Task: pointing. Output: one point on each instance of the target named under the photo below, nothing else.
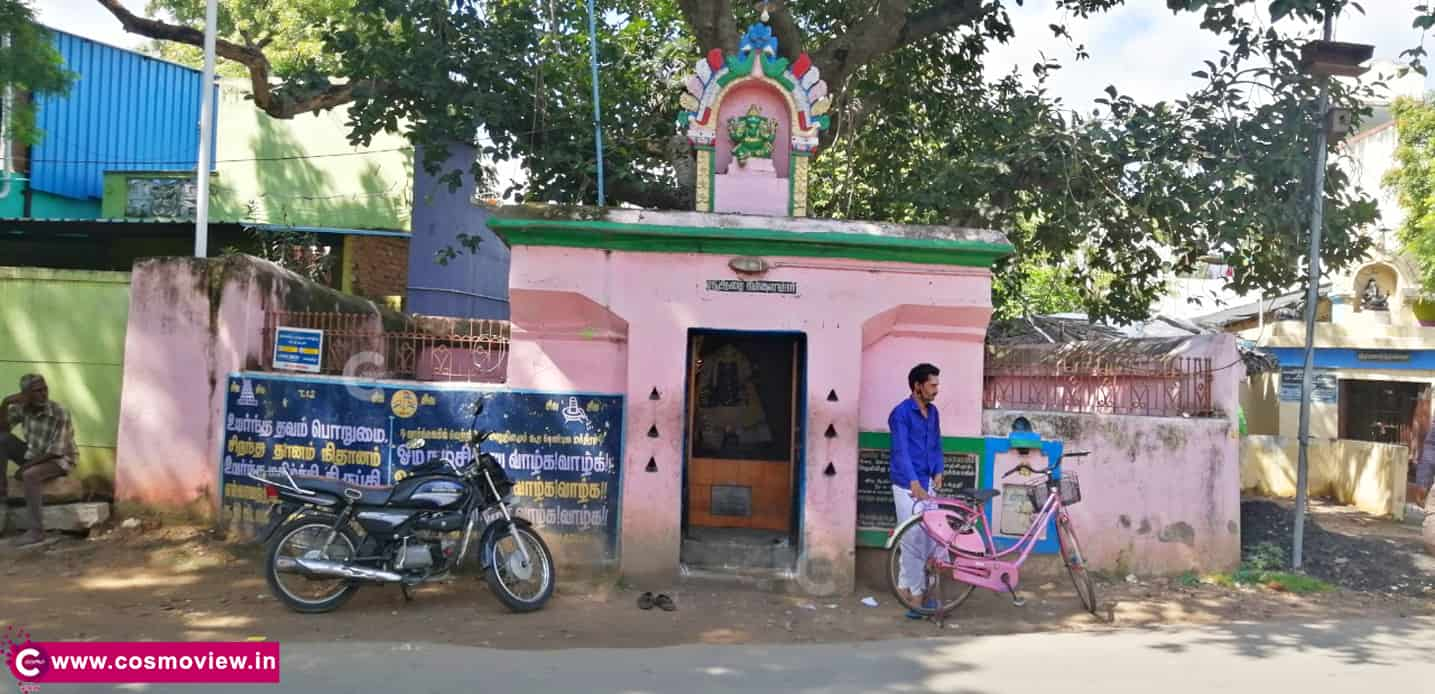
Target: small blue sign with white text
(298, 349)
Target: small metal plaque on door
(731, 501)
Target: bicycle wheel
(931, 576)
(1075, 563)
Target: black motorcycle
(329, 537)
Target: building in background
(474, 282)
(112, 178)
(1374, 345)
(112, 181)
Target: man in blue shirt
(916, 470)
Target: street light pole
(1321, 58)
(206, 134)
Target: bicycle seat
(981, 496)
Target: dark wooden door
(742, 424)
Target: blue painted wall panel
(473, 285)
(1329, 358)
(124, 112)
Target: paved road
(1339, 658)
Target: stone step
(739, 550)
(61, 490)
(72, 517)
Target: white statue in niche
(1372, 299)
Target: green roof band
(653, 238)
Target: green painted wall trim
(51, 274)
(950, 444)
(48, 206)
(791, 173)
(651, 238)
(872, 538)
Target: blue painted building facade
(125, 111)
(475, 283)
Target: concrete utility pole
(206, 134)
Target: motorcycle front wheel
(301, 538)
(522, 585)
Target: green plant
(1265, 557)
(1262, 567)
(1190, 579)
(1424, 310)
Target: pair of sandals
(646, 601)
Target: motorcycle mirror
(414, 444)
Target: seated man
(47, 450)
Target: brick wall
(379, 266)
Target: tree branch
(939, 19)
(784, 27)
(648, 195)
(868, 38)
(276, 105)
(890, 26)
(712, 22)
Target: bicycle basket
(1070, 492)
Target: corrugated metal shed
(125, 112)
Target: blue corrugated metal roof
(125, 110)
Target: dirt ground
(1345, 547)
(180, 583)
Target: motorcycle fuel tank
(429, 493)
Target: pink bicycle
(960, 543)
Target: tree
(29, 65)
(919, 135)
(1413, 181)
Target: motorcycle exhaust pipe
(336, 569)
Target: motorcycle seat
(363, 496)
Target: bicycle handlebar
(1045, 470)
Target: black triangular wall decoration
(652, 465)
(832, 396)
(831, 470)
(831, 432)
(654, 395)
(653, 432)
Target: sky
(1143, 49)
(1149, 52)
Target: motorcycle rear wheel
(316, 527)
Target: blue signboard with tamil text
(298, 349)
(561, 449)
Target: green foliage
(1145, 190)
(1413, 180)
(291, 33)
(1265, 556)
(1262, 567)
(1134, 190)
(29, 65)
